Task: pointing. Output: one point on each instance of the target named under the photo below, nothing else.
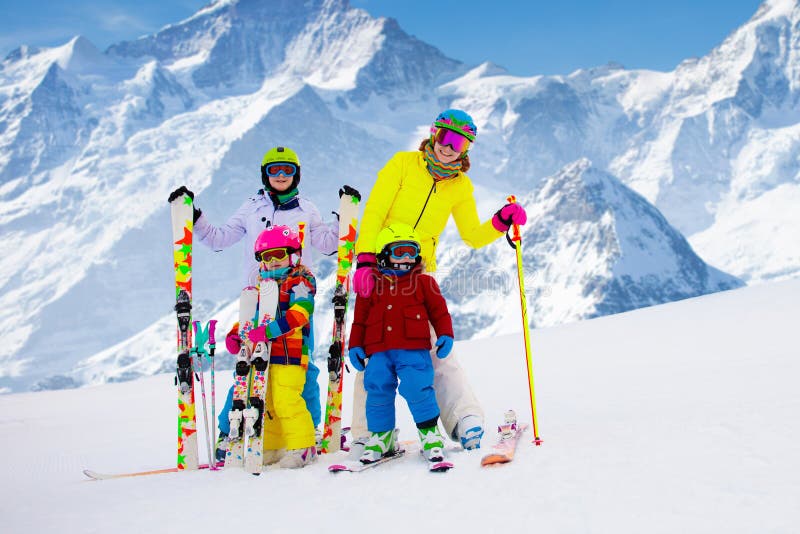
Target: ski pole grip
(196, 325)
(511, 199)
(211, 326)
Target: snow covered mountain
(712, 144)
(591, 247)
(92, 142)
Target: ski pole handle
(197, 330)
(212, 324)
(200, 337)
(511, 199)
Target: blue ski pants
(414, 370)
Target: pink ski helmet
(277, 237)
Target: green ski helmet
(396, 233)
(278, 155)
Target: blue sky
(526, 37)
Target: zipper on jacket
(433, 190)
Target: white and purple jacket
(254, 215)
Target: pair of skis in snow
(508, 434)
(257, 307)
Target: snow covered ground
(676, 418)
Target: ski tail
(508, 435)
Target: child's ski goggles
(457, 142)
(403, 250)
(272, 254)
(276, 169)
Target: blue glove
(445, 344)
(358, 358)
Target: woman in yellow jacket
(423, 189)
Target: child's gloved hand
(445, 344)
(364, 277)
(183, 190)
(358, 358)
(270, 331)
(232, 341)
(258, 335)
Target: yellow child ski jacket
(405, 192)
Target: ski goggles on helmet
(277, 169)
(457, 142)
(398, 251)
(272, 254)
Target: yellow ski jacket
(406, 193)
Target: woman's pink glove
(364, 277)
(508, 215)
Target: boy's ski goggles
(403, 250)
(276, 169)
(272, 254)
(457, 142)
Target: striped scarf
(438, 169)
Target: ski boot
(297, 458)
(356, 447)
(469, 432)
(221, 448)
(378, 445)
(432, 443)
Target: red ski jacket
(397, 313)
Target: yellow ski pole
(516, 243)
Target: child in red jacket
(390, 339)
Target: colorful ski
(354, 466)
(182, 224)
(268, 297)
(248, 303)
(348, 221)
(508, 435)
(440, 467)
(94, 475)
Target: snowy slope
(674, 418)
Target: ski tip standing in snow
(182, 213)
(390, 340)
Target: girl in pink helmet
(288, 431)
